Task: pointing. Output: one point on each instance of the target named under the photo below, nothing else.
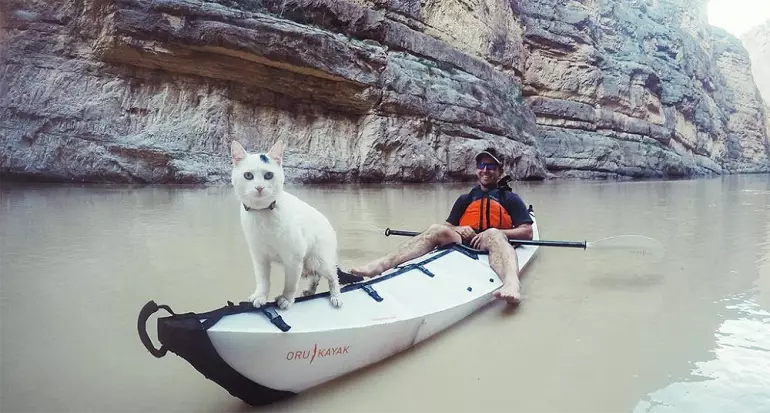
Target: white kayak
(265, 354)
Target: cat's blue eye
(268, 175)
(248, 175)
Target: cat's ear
(237, 152)
(276, 152)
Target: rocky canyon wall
(757, 43)
(384, 90)
(640, 88)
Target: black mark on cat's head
(264, 158)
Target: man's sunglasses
(490, 166)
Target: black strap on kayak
(421, 265)
(276, 319)
(212, 317)
(372, 293)
(418, 267)
(426, 271)
(468, 251)
(207, 319)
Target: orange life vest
(486, 212)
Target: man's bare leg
(503, 260)
(436, 235)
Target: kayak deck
(437, 281)
(265, 354)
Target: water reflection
(736, 379)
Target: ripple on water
(736, 380)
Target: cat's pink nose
(260, 188)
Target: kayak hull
(265, 354)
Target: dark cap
(492, 153)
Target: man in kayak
(485, 218)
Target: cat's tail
(348, 278)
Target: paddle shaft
(568, 244)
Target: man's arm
(458, 209)
(523, 231)
(522, 221)
(453, 221)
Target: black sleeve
(458, 209)
(517, 210)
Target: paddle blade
(637, 246)
(361, 226)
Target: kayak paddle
(634, 244)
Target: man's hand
(467, 233)
(476, 241)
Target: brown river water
(596, 331)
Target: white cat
(280, 227)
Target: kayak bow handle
(141, 325)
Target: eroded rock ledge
(640, 89)
(387, 90)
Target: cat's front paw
(283, 302)
(258, 298)
(336, 301)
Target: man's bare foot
(510, 293)
(369, 270)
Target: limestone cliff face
(757, 43)
(640, 88)
(382, 90)
(154, 91)
(745, 133)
